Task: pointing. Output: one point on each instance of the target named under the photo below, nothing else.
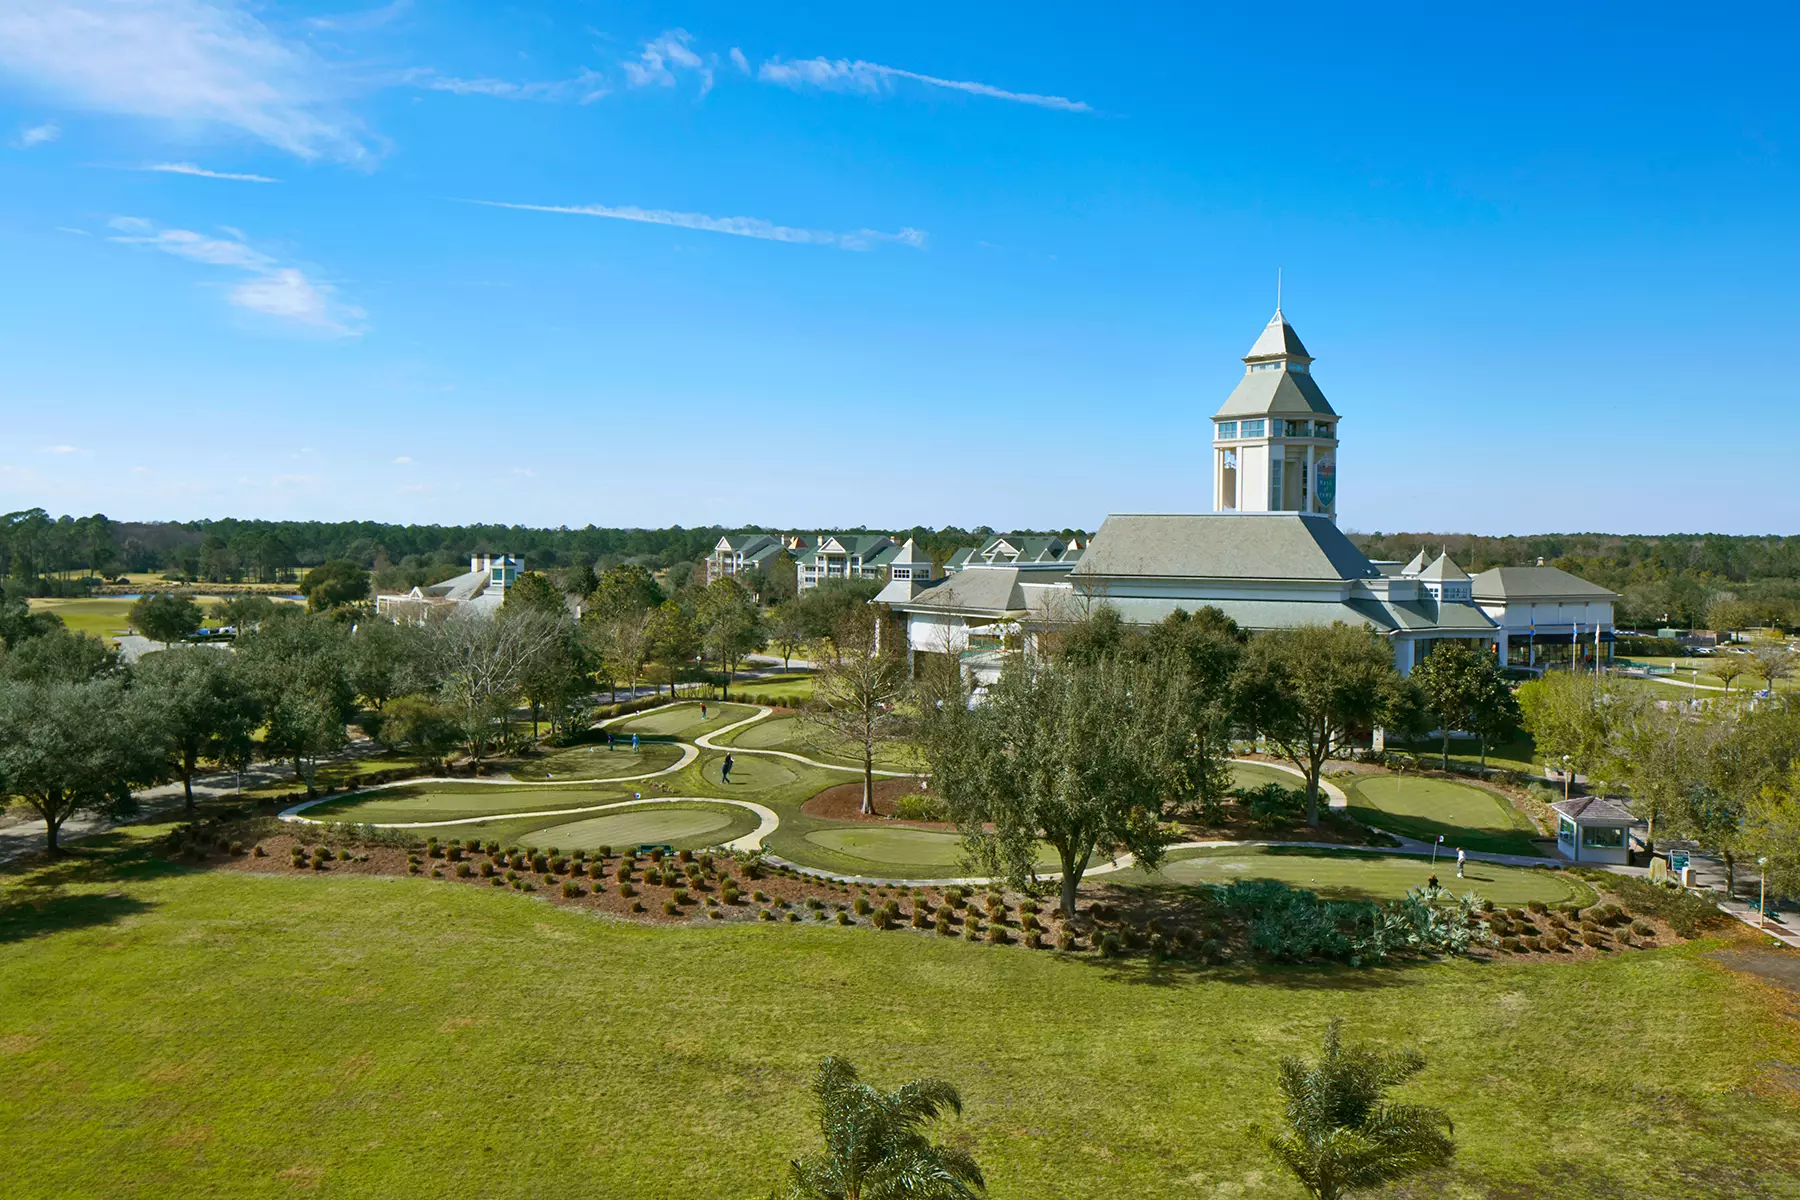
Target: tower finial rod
(1277, 289)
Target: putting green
(682, 720)
(1425, 808)
(1351, 876)
(450, 802)
(683, 828)
(887, 846)
(752, 773)
(597, 762)
(797, 737)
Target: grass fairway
(167, 1032)
(99, 616)
(597, 762)
(780, 688)
(1348, 875)
(682, 721)
(1424, 808)
(683, 827)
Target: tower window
(1250, 429)
(1228, 479)
(1227, 430)
(1322, 429)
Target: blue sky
(828, 265)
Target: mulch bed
(724, 889)
(1238, 827)
(843, 802)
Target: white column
(1403, 655)
(1500, 646)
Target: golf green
(598, 762)
(1466, 817)
(1353, 876)
(798, 737)
(451, 802)
(753, 773)
(682, 720)
(684, 828)
(888, 846)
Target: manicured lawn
(1424, 808)
(175, 1032)
(330, 773)
(682, 721)
(1250, 776)
(682, 826)
(1515, 754)
(598, 762)
(1347, 875)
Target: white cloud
(73, 230)
(583, 88)
(275, 290)
(182, 168)
(750, 227)
(38, 135)
(63, 450)
(867, 78)
(404, 460)
(662, 57)
(194, 62)
(358, 22)
(739, 61)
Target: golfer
(725, 770)
(1461, 858)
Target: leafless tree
(480, 661)
(1773, 661)
(858, 694)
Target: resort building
(743, 554)
(844, 556)
(1547, 615)
(482, 590)
(1270, 556)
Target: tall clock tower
(1275, 438)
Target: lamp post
(1567, 772)
(1762, 891)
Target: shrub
(1487, 906)
(627, 891)
(1156, 927)
(821, 914)
(671, 908)
(919, 920)
(497, 881)
(1510, 944)
(716, 914)
(464, 870)
(996, 934)
(971, 931)
(793, 914)
(571, 889)
(759, 896)
(1159, 946)
(680, 896)
(487, 869)
(944, 927)
(1687, 914)
(1184, 937)
(1111, 945)
(1029, 907)
(1537, 906)
(1533, 944)
(1034, 940)
(559, 866)
(1643, 929)
(765, 914)
(596, 871)
(1517, 914)
(637, 906)
(1065, 938)
(814, 902)
(863, 908)
(883, 919)
(257, 851)
(844, 918)
(411, 868)
(920, 806)
(1593, 938)
(1212, 951)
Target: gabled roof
(1411, 569)
(1441, 569)
(909, 555)
(1223, 546)
(1277, 394)
(1524, 584)
(744, 543)
(1277, 340)
(989, 592)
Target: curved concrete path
(705, 741)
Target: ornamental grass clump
(863, 907)
(1065, 938)
(627, 891)
(1593, 938)
(844, 918)
(570, 890)
(670, 908)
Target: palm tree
(874, 1147)
(1341, 1135)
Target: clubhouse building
(1269, 556)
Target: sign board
(1325, 470)
(1678, 861)
(1380, 740)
